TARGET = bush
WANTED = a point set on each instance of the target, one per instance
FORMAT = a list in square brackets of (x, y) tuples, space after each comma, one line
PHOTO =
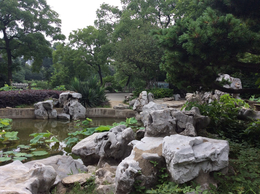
[(224, 119), (16, 98), (157, 92), (92, 93)]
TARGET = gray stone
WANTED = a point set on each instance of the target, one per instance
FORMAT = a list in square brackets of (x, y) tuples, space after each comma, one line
[(132, 102), (121, 106), (187, 156), (177, 97), (76, 95), (63, 116), (141, 101), (137, 166), (76, 110), (40, 112), (150, 97), (17, 178), (76, 178), (110, 147), (63, 165), (161, 124), (63, 98)]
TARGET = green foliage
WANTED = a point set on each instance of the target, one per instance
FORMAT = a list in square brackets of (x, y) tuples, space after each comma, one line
[(6, 88), (173, 188), (157, 92), (43, 139), (244, 171), (252, 98), (5, 124), (60, 88), (206, 40), (224, 119), (25, 26), (92, 93)]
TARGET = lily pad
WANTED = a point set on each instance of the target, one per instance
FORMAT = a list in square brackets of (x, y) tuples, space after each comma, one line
[(9, 152), (19, 158), (28, 155), (24, 146), (5, 159), (20, 154), (39, 153)]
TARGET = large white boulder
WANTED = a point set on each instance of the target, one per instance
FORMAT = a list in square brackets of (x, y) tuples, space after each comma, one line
[(110, 147), (187, 156), (18, 178), (138, 165)]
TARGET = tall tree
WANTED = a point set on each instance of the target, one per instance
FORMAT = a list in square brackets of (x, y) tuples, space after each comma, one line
[(23, 27), (199, 47), (92, 47), (159, 12)]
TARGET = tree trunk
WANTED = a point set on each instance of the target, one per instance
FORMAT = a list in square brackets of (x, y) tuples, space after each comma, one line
[(128, 80), (100, 75), (9, 68)]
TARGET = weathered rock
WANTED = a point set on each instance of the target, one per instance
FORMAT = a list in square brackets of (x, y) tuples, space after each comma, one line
[(246, 114), (76, 178), (17, 178), (137, 166), (52, 114), (40, 112), (140, 134), (145, 114), (106, 189), (76, 110), (132, 102), (86, 150), (63, 165), (110, 147), (177, 97), (186, 156), (141, 101), (48, 104), (192, 117), (160, 124), (63, 116), (150, 97)]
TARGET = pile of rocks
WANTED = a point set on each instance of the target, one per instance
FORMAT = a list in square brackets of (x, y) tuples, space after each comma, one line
[(69, 101)]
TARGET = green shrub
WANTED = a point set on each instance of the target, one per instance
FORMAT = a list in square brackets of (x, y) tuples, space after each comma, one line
[(93, 94), (224, 119), (115, 85), (157, 92)]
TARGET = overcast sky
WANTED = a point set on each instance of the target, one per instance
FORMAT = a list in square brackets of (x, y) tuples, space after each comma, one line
[(77, 14)]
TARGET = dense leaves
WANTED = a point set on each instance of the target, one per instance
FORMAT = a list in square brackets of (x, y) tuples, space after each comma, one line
[(24, 25), (15, 98)]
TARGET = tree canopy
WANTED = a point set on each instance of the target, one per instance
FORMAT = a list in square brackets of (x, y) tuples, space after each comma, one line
[(216, 38), (24, 26)]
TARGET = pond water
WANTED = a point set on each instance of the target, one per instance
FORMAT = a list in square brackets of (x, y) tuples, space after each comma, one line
[(58, 128)]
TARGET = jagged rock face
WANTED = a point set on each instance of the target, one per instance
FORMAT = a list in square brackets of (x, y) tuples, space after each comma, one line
[(17, 178), (63, 165), (160, 124), (110, 147), (76, 110), (137, 166), (141, 101), (44, 110), (186, 156), (160, 121)]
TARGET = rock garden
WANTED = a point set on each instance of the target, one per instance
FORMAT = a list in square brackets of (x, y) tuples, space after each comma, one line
[(188, 150)]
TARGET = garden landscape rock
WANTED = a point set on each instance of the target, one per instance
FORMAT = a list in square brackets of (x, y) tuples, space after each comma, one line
[(63, 165), (142, 100), (44, 110), (18, 178), (187, 156), (106, 147), (184, 157)]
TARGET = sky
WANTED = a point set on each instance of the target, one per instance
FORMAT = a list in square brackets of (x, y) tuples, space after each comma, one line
[(77, 14)]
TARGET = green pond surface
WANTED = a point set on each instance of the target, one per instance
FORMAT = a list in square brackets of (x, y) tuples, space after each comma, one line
[(58, 128)]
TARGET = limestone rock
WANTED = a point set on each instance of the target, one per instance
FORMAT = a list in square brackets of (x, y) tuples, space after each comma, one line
[(137, 166), (76, 110), (150, 97), (141, 101), (63, 165), (40, 112), (187, 156), (63, 116), (161, 124), (76, 178), (121, 106), (110, 147), (17, 178)]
